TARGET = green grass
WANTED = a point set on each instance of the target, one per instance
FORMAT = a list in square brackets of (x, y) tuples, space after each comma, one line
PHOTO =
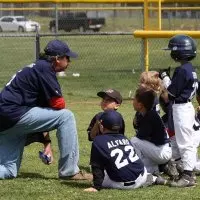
[(104, 61), (38, 181)]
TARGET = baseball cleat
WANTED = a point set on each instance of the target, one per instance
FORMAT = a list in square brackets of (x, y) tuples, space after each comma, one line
[(171, 170), (184, 181)]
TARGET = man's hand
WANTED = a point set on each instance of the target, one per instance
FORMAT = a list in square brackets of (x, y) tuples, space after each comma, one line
[(91, 189), (164, 72)]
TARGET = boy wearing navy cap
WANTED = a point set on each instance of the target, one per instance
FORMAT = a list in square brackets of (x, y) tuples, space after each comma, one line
[(111, 100), (113, 159), (32, 102)]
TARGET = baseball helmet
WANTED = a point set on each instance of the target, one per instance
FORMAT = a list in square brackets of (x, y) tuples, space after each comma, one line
[(182, 47)]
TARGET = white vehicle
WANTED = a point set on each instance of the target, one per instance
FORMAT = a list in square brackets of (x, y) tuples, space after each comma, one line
[(17, 23)]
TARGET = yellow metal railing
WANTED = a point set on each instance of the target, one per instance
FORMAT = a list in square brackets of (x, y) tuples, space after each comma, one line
[(159, 33), (97, 1), (164, 34)]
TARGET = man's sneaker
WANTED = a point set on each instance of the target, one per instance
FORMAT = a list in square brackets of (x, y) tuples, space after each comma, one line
[(184, 181), (79, 176), (171, 170)]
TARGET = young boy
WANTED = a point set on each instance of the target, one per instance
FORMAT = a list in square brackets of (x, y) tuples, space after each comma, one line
[(181, 90), (113, 159), (151, 141), (111, 100)]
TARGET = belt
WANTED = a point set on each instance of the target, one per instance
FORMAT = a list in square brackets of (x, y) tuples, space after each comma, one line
[(129, 183), (179, 102), (132, 182)]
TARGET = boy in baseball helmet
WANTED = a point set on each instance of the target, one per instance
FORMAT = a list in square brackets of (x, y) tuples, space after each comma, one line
[(181, 89)]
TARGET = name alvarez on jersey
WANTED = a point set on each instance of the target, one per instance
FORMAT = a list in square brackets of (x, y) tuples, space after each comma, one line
[(116, 143)]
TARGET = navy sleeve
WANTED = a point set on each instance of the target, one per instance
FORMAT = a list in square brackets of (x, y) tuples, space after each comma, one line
[(96, 161), (178, 83)]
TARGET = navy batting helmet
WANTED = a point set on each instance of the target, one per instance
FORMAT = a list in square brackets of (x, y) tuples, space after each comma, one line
[(182, 47)]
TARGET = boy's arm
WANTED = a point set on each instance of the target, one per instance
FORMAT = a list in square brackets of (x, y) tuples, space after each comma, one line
[(97, 166), (98, 176), (93, 129)]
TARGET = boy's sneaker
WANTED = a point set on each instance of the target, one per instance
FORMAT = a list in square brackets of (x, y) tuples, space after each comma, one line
[(159, 179), (79, 176), (184, 181), (155, 179), (171, 170), (149, 180)]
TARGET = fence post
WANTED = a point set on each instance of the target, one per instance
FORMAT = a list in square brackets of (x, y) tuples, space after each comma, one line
[(37, 43), (56, 19)]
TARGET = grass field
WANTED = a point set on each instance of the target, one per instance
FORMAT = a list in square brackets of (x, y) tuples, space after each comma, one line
[(104, 61)]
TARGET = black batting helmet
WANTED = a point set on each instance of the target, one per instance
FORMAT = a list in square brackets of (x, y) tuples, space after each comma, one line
[(182, 47)]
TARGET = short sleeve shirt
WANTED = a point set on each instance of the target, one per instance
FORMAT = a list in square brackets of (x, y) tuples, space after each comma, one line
[(33, 86)]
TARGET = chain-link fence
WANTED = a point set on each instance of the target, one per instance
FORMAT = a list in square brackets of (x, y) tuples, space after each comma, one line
[(111, 57)]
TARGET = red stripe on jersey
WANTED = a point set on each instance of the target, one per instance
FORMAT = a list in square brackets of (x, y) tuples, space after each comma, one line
[(170, 132), (57, 103)]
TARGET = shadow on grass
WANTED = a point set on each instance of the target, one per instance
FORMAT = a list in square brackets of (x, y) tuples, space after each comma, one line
[(34, 176), (78, 184), (40, 176)]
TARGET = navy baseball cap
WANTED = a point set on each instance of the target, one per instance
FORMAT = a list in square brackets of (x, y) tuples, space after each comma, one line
[(111, 120), (114, 94), (59, 48)]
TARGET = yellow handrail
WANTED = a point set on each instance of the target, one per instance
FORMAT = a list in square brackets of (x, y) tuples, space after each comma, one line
[(164, 34)]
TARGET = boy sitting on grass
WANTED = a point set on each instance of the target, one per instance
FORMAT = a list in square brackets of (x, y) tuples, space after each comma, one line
[(151, 141), (111, 100), (113, 159)]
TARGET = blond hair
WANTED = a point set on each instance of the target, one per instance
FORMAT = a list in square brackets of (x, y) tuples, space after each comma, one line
[(151, 80)]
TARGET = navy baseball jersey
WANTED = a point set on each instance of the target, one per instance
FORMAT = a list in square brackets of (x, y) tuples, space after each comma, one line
[(32, 86), (150, 127), (156, 107), (97, 117), (184, 84), (115, 154)]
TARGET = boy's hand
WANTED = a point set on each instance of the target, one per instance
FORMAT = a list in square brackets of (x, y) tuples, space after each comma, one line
[(91, 189), (95, 130), (164, 72)]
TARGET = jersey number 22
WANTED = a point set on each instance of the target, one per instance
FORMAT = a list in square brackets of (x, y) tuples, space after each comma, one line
[(120, 162)]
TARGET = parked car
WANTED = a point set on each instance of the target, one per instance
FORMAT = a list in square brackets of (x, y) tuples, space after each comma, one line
[(78, 20), (17, 23)]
